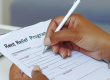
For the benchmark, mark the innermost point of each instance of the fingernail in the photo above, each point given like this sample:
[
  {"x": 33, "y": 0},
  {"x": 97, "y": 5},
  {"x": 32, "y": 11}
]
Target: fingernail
[
  {"x": 62, "y": 55},
  {"x": 47, "y": 42},
  {"x": 36, "y": 67},
  {"x": 68, "y": 54},
  {"x": 53, "y": 50}
]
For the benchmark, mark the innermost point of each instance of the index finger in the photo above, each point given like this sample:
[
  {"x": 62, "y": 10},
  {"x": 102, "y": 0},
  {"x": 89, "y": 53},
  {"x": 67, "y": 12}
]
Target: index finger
[{"x": 54, "y": 24}]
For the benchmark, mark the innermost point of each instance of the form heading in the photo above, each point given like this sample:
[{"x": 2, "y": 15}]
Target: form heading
[{"x": 21, "y": 41}]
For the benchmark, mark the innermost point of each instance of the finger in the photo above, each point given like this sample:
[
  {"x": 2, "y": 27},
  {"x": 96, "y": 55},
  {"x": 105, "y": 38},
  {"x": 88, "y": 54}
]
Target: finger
[
  {"x": 36, "y": 71},
  {"x": 65, "y": 27},
  {"x": 54, "y": 24},
  {"x": 37, "y": 74},
  {"x": 75, "y": 20},
  {"x": 68, "y": 52},
  {"x": 72, "y": 35},
  {"x": 62, "y": 50},
  {"x": 55, "y": 48},
  {"x": 75, "y": 47},
  {"x": 69, "y": 45}
]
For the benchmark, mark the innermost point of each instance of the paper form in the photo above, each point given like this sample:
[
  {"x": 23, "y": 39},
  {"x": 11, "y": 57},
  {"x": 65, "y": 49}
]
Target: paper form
[{"x": 24, "y": 47}]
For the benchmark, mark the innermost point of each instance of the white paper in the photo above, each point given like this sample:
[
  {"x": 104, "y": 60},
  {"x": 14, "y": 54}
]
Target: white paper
[{"x": 24, "y": 47}]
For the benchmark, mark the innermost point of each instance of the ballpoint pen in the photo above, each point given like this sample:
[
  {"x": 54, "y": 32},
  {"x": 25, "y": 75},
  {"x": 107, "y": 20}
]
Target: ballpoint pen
[
  {"x": 108, "y": 62},
  {"x": 75, "y": 4}
]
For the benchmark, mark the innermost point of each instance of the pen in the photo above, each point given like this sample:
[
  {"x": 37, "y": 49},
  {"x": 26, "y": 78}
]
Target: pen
[
  {"x": 106, "y": 61},
  {"x": 75, "y": 4}
]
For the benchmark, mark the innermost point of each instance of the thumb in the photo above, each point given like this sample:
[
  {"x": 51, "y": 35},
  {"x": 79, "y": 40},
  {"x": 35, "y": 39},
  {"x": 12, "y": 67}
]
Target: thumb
[
  {"x": 37, "y": 74},
  {"x": 60, "y": 36}
]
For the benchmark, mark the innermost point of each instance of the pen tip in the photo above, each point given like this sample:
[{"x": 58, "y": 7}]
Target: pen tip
[
  {"x": 46, "y": 49},
  {"x": 43, "y": 51}
]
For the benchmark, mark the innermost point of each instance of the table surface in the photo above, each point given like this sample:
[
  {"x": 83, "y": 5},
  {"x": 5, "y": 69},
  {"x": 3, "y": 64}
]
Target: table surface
[{"x": 5, "y": 64}]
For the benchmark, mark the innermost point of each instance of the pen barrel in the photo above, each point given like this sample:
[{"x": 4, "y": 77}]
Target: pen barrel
[{"x": 75, "y": 4}]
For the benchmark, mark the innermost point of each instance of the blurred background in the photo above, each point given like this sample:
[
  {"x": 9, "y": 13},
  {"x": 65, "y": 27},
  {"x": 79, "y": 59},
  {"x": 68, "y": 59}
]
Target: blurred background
[{"x": 23, "y": 13}]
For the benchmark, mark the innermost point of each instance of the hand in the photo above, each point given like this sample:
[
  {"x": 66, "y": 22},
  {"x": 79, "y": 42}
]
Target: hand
[
  {"x": 15, "y": 74},
  {"x": 78, "y": 34}
]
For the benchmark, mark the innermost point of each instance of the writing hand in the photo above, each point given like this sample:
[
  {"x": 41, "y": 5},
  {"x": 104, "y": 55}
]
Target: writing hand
[{"x": 78, "y": 34}]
